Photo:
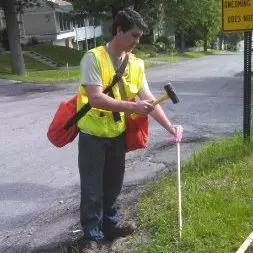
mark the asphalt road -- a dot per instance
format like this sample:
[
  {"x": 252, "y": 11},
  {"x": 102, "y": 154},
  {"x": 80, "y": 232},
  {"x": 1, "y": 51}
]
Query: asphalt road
[{"x": 39, "y": 184}]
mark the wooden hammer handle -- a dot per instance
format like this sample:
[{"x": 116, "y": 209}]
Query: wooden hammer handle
[
  {"x": 155, "y": 102},
  {"x": 160, "y": 99}
]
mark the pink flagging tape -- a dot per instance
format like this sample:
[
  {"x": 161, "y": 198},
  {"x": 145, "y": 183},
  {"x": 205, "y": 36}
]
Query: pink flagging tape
[{"x": 246, "y": 244}]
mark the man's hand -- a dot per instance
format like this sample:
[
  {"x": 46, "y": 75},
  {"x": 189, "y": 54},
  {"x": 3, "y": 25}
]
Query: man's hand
[
  {"x": 143, "y": 107},
  {"x": 178, "y": 133}
]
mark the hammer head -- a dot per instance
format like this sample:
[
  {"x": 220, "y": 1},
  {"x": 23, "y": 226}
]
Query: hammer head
[{"x": 171, "y": 93}]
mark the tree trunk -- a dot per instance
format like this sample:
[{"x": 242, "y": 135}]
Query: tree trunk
[
  {"x": 182, "y": 41},
  {"x": 205, "y": 38},
  {"x": 114, "y": 11},
  {"x": 137, "y": 5},
  {"x": 16, "y": 54}
]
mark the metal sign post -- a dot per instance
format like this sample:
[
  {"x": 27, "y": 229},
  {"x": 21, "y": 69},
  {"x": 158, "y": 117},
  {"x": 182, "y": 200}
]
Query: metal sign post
[
  {"x": 247, "y": 85},
  {"x": 238, "y": 16}
]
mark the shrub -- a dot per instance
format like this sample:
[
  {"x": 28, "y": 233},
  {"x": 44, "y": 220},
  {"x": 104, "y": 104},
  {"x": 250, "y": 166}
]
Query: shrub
[
  {"x": 163, "y": 44},
  {"x": 100, "y": 41},
  {"x": 33, "y": 41},
  {"x": 198, "y": 43},
  {"x": 145, "y": 50},
  {"x": 164, "y": 40}
]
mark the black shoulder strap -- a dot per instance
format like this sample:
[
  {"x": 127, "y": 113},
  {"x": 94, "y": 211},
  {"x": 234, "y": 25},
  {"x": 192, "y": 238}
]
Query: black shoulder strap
[{"x": 87, "y": 106}]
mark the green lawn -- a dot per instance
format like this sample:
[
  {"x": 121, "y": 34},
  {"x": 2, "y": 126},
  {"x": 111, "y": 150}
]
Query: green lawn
[
  {"x": 61, "y": 55},
  {"x": 38, "y": 72},
  {"x": 169, "y": 58},
  {"x": 30, "y": 63},
  {"x": 217, "y": 203},
  {"x": 149, "y": 64},
  {"x": 250, "y": 249},
  {"x": 46, "y": 76},
  {"x": 186, "y": 55},
  {"x": 198, "y": 54}
]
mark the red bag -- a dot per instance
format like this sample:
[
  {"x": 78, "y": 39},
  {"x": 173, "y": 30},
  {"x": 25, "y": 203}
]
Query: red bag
[
  {"x": 57, "y": 134},
  {"x": 136, "y": 133}
]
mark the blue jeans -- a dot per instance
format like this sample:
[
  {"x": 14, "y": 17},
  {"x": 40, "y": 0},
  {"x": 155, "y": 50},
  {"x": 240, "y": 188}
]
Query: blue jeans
[{"x": 101, "y": 164}]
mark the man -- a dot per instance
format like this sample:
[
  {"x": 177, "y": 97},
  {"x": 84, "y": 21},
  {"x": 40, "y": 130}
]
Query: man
[{"x": 102, "y": 141}]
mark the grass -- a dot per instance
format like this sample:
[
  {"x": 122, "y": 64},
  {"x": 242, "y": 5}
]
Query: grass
[
  {"x": 38, "y": 72},
  {"x": 149, "y": 64},
  {"x": 198, "y": 54},
  {"x": 187, "y": 55},
  {"x": 61, "y": 55},
  {"x": 250, "y": 249},
  {"x": 30, "y": 63},
  {"x": 217, "y": 202},
  {"x": 170, "y": 58},
  {"x": 47, "y": 76}
]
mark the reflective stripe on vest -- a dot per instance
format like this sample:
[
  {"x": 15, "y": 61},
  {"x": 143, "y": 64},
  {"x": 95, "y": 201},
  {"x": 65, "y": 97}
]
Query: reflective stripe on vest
[{"x": 100, "y": 122}]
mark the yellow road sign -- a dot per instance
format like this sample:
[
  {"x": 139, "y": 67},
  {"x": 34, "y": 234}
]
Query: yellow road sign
[{"x": 237, "y": 15}]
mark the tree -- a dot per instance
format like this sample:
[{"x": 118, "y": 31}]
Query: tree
[
  {"x": 187, "y": 15},
  {"x": 98, "y": 7},
  {"x": 150, "y": 10},
  {"x": 179, "y": 14},
  {"x": 11, "y": 9},
  {"x": 147, "y": 8},
  {"x": 207, "y": 15},
  {"x": 231, "y": 40}
]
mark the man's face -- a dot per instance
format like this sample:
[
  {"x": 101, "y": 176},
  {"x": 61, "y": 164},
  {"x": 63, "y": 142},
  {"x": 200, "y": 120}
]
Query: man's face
[{"x": 130, "y": 39}]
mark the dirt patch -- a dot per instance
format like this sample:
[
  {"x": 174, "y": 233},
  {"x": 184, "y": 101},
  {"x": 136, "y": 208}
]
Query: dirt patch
[{"x": 128, "y": 200}]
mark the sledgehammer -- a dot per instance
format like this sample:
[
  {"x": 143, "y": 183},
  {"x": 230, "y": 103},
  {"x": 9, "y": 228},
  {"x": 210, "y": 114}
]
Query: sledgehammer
[{"x": 169, "y": 93}]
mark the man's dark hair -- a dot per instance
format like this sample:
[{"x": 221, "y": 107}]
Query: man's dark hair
[{"x": 127, "y": 19}]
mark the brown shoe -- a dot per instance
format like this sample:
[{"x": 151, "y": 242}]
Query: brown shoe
[
  {"x": 113, "y": 232},
  {"x": 89, "y": 247}
]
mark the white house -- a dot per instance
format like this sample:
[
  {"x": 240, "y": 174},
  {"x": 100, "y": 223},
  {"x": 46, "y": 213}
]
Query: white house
[{"x": 53, "y": 21}]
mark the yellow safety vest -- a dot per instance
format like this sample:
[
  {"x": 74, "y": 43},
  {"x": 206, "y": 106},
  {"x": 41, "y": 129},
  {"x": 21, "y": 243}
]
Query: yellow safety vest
[{"x": 100, "y": 122}]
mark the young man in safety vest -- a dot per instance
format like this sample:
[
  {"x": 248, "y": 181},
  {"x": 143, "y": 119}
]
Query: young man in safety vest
[{"x": 102, "y": 141}]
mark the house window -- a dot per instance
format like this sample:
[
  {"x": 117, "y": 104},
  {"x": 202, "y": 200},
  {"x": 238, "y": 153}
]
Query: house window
[
  {"x": 96, "y": 21},
  {"x": 61, "y": 22},
  {"x": 65, "y": 22},
  {"x": 79, "y": 21},
  {"x": 90, "y": 20}
]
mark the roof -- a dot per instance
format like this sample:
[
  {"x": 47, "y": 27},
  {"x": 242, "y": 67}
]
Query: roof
[
  {"x": 62, "y": 6},
  {"x": 60, "y": 2}
]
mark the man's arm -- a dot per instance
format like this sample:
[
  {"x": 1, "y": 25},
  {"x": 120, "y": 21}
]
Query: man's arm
[
  {"x": 92, "y": 82},
  {"x": 158, "y": 113},
  {"x": 100, "y": 100}
]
